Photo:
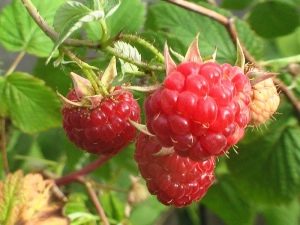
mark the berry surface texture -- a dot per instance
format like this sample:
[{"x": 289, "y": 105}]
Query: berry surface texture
[
  {"x": 104, "y": 129},
  {"x": 201, "y": 110},
  {"x": 175, "y": 180}
]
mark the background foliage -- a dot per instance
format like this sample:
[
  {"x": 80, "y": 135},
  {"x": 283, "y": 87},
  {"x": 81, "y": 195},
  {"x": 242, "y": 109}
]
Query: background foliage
[{"x": 261, "y": 181}]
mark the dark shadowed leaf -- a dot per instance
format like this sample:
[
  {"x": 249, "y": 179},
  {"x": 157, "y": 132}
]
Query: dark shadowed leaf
[
  {"x": 129, "y": 17},
  {"x": 267, "y": 168},
  {"x": 272, "y": 19},
  {"x": 224, "y": 199},
  {"x": 284, "y": 214}
]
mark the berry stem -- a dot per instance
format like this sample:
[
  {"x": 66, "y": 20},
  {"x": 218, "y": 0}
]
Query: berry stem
[
  {"x": 144, "y": 43},
  {"x": 93, "y": 196},
  {"x": 15, "y": 63},
  {"x": 88, "y": 71},
  {"x": 73, "y": 176},
  {"x": 3, "y": 145},
  {"x": 281, "y": 62},
  {"x": 104, "y": 31}
]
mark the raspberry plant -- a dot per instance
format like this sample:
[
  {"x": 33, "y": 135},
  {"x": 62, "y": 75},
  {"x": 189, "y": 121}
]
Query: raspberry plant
[{"x": 125, "y": 116}]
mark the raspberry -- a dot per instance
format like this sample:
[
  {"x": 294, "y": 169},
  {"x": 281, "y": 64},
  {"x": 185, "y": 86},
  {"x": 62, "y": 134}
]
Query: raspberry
[
  {"x": 104, "y": 129},
  {"x": 201, "y": 110},
  {"x": 175, "y": 180},
  {"x": 265, "y": 101}
]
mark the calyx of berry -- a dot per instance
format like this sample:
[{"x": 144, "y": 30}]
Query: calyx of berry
[
  {"x": 193, "y": 52},
  {"x": 240, "y": 61},
  {"x": 86, "y": 95},
  {"x": 109, "y": 74},
  {"x": 169, "y": 62}
]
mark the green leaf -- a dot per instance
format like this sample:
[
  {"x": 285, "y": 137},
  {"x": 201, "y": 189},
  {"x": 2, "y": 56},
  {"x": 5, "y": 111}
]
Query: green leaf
[
  {"x": 130, "y": 52},
  {"x": 148, "y": 212},
  {"x": 77, "y": 210},
  {"x": 132, "y": 15},
  {"x": 224, "y": 200},
  {"x": 288, "y": 214},
  {"x": 20, "y": 33},
  {"x": 267, "y": 168},
  {"x": 181, "y": 26},
  {"x": 112, "y": 205},
  {"x": 272, "y": 19},
  {"x": 249, "y": 39},
  {"x": 61, "y": 150},
  {"x": 70, "y": 17},
  {"x": 55, "y": 77},
  {"x": 110, "y": 7},
  {"x": 32, "y": 106},
  {"x": 235, "y": 4},
  {"x": 289, "y": 44}
]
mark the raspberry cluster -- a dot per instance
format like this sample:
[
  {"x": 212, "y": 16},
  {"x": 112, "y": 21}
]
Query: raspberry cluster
[{"x": 199, "y": 113}]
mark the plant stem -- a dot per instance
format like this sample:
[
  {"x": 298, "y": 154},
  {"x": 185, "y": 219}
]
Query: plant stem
[
  {"x": 15, "y": 63},
  {"x": 281, "y": 62},
  {"x": 95, "y": 200},
  {"x": 86, "y": 68},
  {"x": 3, "y": 145},
  {"x": 142, "y": 65},
  {"x": 50, "y": 32},
  {"x": 144, "y": 43},
  {"x": 69, "y": 178},
  {"x": 292, "y": 98},
  {"x": 104, "y": 31}
]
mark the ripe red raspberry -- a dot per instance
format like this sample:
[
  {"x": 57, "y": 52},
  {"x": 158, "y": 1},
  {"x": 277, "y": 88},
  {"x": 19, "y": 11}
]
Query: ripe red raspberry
[
  {"x": 104, "y": 129},
  {"x": 202, "y": 108},
  {"x": 175, "y": 180}
]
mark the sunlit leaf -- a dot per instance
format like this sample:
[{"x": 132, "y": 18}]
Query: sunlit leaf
[
  {"x": 32, "y": 106},
  {"x": 20, "y": 33}
]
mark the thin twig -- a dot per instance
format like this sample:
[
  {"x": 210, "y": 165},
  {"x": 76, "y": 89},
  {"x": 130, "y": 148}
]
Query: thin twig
[
  {"x": 50, "y": 32},
  {"x": 83, "y": 171},
  {"x": 289, "y": 94},
  {"x": 229, "y": 24},
  {"x": 200, "y": 9},
  {"x": 95, "y": 200},
  {"x": 15, "y": 63},
  {"x": 110, "y": 188},
  {"x": 3, "y": 146}
]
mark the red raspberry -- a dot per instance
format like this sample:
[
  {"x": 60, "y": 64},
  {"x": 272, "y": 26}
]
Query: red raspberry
[
  {"x": 175, "y": 180},
  {"x": 104, "y": 129},
  {"x": 201, "y": 110}
]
